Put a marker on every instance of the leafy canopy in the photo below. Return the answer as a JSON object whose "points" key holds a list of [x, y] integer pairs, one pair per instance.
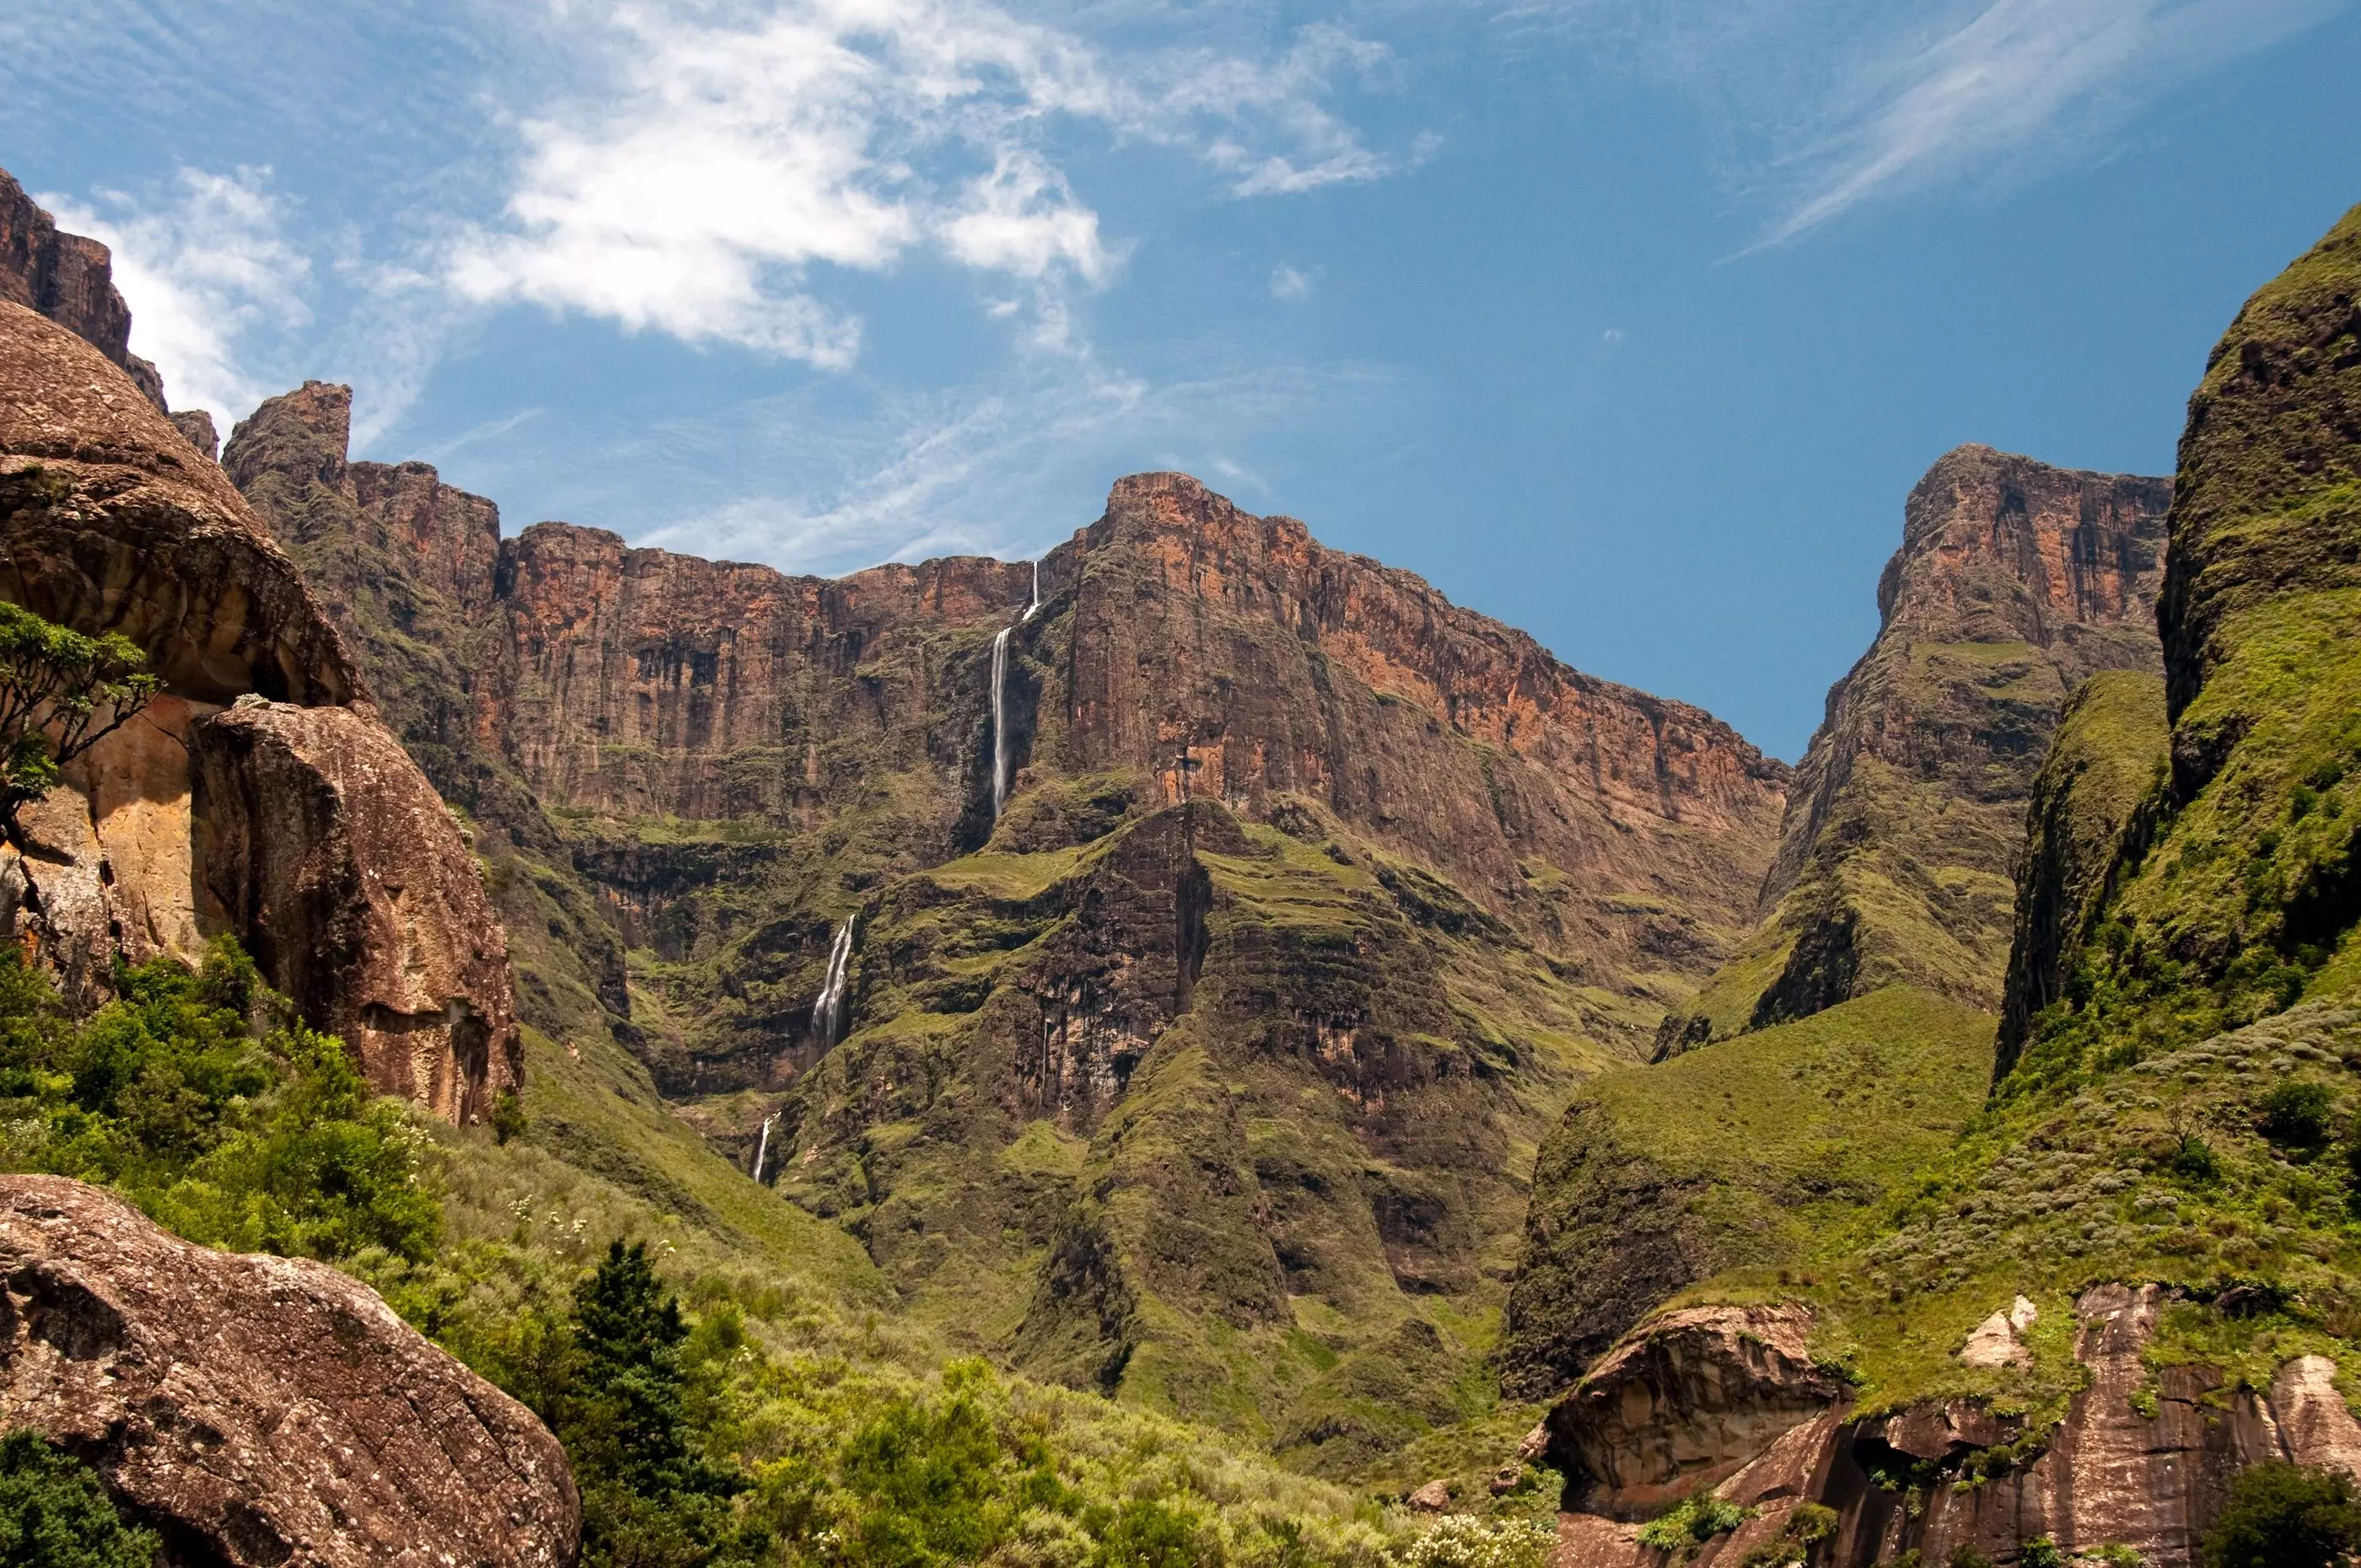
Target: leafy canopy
{"points": [[61, 694], [55, 1513]]}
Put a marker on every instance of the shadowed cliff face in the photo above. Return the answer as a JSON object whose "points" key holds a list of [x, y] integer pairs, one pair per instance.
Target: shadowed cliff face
{"points": [[2015, 583], [1313, 896]]}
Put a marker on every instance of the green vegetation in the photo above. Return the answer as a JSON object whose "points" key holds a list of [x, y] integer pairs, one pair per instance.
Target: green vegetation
{"points": [[1762, 1154], [1462, 1540], [55, 1513], [1691, 1522], [2284, 1516], [61, 694], [256, 1144]]}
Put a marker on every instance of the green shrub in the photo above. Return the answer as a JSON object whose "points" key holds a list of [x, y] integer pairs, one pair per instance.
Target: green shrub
{"points": [[2041, 1551], [1967, 1557], [2284, 1516], [55, 1513], [2192, 1160], [1462, 1540], [1696, 1518], [202, 1098], [2295, 1116], [508, 1118]]}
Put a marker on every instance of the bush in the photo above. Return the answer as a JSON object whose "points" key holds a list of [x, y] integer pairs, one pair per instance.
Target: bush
{"points": [[261, 1139], [2192, 1160], [2295, 1116], [1462, 1540], [2041, 1551], [55, 1513], [1698, 1517], [2284, 1516]]}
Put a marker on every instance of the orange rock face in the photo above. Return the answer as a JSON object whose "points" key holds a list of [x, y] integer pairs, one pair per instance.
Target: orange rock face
{"points": [[314, 839], [70, 280]]}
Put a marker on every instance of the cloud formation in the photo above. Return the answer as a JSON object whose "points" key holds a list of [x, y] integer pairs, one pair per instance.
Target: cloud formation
{"points": [[727, 156], [2015, 80], [210, 276]]}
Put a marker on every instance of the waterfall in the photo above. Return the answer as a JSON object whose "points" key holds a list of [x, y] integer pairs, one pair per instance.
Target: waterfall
{"points": [[1000, 698], [1000, 721], [763, 1146], [827, 1012]]}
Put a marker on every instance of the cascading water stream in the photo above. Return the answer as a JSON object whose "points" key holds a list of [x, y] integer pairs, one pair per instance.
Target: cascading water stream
{"points": [[763, 1146], [827, 1012], [1000, 698]]}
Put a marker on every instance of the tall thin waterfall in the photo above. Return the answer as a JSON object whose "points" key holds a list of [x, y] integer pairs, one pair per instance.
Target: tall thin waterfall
{"points": [[827, 1012], [1000, 698], [762, 1145]]}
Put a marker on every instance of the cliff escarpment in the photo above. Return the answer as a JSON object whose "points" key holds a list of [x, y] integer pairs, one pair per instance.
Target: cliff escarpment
{"points": [[2015, 583], [1308, 897]]}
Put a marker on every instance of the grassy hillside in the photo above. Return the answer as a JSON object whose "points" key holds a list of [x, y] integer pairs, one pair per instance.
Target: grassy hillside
{"points": [[1760, 1154]]}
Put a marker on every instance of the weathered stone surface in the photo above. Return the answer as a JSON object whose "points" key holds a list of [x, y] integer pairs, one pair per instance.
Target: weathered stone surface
{"points": [[196, 427], [109, 522], [2015, 581], [1684, 1403], [360, 901], [262, 1412], [70, 280], [1434, 1497], [314, 838], [1693, 1400], [1997, 1341]]}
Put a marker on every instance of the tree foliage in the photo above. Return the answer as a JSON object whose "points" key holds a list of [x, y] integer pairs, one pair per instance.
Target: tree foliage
{"points": [[2286, 1516], [61, 694], [55, 1513]]}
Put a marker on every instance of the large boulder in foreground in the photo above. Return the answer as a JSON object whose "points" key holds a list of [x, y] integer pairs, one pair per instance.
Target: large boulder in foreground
{"points": [[329, 845], [262, 1411], [314, 839]]}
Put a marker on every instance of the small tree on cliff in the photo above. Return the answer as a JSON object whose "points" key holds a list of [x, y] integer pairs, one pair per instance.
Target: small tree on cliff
{"points": [[61, 694]]}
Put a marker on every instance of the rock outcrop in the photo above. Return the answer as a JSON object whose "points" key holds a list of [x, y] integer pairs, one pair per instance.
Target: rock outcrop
{"points": [[2015, 583], [70, 280], [1729, 1399], [110, 522], [261, 1412], [315, 819]]}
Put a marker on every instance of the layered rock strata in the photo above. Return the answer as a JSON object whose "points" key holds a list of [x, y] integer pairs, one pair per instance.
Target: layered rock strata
{"points": [[2016, 581], [185, 823], [1728, 1400], [261, 1412]]}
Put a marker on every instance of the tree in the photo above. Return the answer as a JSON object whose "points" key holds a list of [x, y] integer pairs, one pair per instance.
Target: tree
{"points": [[2284, 1516], [55, 1513], [61, 694]]}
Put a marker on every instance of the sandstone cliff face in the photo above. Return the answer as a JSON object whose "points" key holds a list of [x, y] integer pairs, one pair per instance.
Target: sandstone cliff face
{"points": [[2016, 581], [70, 280], [181, 826], [1728, 1400], [261, 1412]]}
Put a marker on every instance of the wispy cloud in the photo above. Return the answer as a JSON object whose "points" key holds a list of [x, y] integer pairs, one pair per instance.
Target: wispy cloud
{"points": [[728, 156], [2017, 80], [211, 276], [1291, 282]]}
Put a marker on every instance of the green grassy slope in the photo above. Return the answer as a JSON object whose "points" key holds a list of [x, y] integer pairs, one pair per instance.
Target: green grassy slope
{"points": [[1758, 1154]]}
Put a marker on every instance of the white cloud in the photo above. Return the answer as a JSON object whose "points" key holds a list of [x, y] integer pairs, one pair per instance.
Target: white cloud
{"points": [[1290, 284], [734, 152], [2013, 81], [207, 273]]}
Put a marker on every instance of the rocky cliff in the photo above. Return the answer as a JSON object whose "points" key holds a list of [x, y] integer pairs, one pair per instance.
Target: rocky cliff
{"points": [[2134, 1274], [258, 795], [2016, 581], [70, 280], [261, 1412], [1304, 878]]}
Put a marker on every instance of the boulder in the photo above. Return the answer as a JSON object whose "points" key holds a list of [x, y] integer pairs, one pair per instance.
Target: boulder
{"points": [[262, 1411], [328, 845]]}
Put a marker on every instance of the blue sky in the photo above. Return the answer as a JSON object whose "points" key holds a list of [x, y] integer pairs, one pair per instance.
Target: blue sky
{"points": [[1629, 324]]}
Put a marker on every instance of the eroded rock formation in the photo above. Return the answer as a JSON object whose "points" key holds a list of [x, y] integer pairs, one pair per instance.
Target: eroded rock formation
{"points": [[261, 1412], [70, 280], [1729, 1399], [2015, 583], [110, 521]]}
